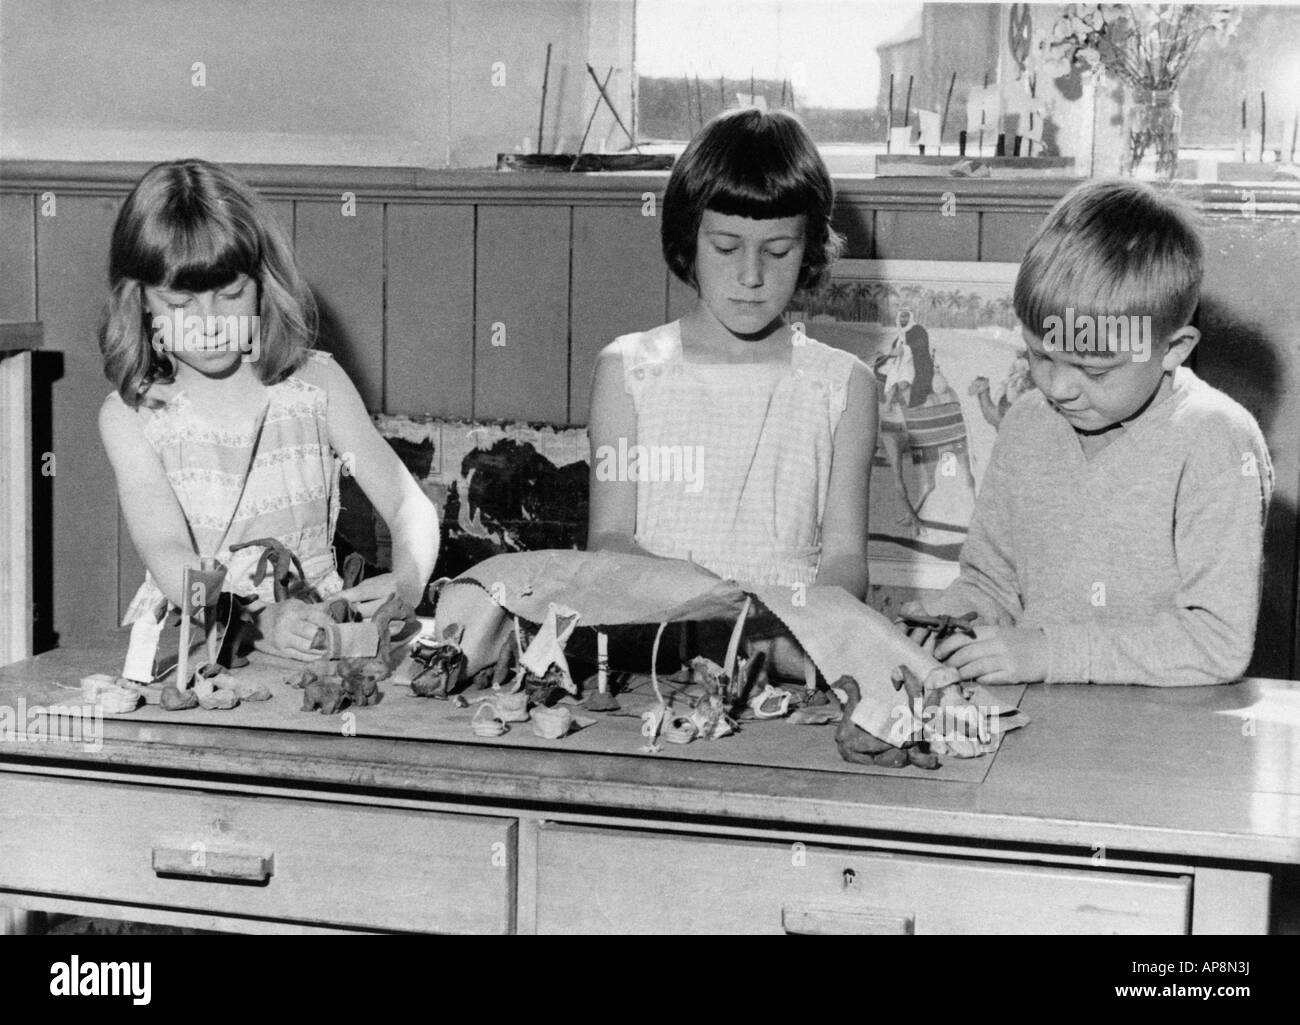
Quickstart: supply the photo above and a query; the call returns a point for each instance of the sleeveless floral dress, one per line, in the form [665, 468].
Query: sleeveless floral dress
[279, 480]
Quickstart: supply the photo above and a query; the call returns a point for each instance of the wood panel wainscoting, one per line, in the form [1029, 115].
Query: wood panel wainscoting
[474, 294]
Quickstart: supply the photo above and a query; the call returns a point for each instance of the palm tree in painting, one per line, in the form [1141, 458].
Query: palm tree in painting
[835, 299]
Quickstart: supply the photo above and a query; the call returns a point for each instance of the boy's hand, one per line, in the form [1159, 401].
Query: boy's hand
[918, 635]
[288, 627]
[997, 654]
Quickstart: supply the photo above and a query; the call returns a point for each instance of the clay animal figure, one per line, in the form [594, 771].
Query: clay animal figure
[710, 713]
[943, 626]
[444, 664]
[360, 680]
[288, 578]
[547, 689]
[860, 747]
[328, 697]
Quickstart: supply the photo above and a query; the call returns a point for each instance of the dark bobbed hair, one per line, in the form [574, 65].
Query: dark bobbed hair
[192, 226]
[751, 163]
[1113, 247]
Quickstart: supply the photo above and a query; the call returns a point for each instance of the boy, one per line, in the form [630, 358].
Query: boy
[1118, 532]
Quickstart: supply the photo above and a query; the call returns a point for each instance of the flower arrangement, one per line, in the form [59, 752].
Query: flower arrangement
[1145, 45]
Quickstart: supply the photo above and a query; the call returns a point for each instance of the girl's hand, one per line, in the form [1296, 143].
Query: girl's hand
[287, 628]
[372, 592]
[997, 654]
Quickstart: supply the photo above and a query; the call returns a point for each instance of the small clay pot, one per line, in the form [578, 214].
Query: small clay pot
[551, 723]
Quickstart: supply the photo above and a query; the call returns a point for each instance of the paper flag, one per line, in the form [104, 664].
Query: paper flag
[929, 120]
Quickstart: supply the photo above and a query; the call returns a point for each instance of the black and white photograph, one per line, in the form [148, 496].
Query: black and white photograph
[672, 467]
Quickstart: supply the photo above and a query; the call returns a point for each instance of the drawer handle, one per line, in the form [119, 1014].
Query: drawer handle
[198, 863]
[798, 921]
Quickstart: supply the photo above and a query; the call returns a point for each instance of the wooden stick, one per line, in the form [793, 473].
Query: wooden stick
[699, 102]
[783, 81]
[209, 564]
[1295, 128]
[1263, 125]
[602, 661]
[183, 655]
[983, 109]
[722, 91]
[596, 107]
[612, 109]
[889, 124]
[792, 103]
[687, 80]
[907, 104]
[943, 121]
[751, 88]
[541, 114]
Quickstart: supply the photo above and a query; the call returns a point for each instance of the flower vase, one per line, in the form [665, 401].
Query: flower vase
[1152, 122]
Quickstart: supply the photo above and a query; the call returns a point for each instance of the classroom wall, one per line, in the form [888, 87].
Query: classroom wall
[425, 83]
[418, 280]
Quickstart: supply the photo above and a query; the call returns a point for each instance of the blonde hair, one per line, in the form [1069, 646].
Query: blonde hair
[1113, 248]
[193, 226]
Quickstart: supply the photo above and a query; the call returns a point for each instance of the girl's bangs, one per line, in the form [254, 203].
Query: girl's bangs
[757, 197]
[198, 256]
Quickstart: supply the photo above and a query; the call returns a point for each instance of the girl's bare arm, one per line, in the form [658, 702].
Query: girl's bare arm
[154, 517]
[844, 523]
[411, 518]
[611, 515]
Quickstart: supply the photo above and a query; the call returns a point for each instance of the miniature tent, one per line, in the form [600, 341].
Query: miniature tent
[840, 634]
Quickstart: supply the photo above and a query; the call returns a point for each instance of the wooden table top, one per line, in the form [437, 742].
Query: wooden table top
[1205, 772]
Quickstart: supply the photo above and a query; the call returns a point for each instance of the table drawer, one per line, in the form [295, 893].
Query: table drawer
[268, 857]
[603, 881]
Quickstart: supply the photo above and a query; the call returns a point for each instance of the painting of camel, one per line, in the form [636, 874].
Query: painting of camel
[944, 346]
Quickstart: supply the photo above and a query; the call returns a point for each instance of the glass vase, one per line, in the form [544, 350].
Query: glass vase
[1152, 122]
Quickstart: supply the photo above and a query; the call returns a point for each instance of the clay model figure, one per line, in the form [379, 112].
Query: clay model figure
[943, 626]
[710, 714]
[860, 747]
[328, 697]
[288, 578]
[360, 680]
[444, 664]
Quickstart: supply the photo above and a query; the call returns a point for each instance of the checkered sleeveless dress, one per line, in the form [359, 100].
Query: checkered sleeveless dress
[763, 435]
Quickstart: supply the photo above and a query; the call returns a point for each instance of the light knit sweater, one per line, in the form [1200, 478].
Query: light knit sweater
[1142, 564]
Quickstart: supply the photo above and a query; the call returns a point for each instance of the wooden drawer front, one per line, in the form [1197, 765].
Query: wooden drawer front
[603, 881]
[342, 864]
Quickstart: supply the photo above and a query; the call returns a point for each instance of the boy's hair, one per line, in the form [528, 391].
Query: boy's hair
[1113, 248]
[193, 226]
[748, 163]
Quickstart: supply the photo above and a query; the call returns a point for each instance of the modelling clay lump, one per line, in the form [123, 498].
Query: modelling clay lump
[219, 698]
[174, 700]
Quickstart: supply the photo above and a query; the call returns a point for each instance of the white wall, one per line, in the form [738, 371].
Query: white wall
[391, 82]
